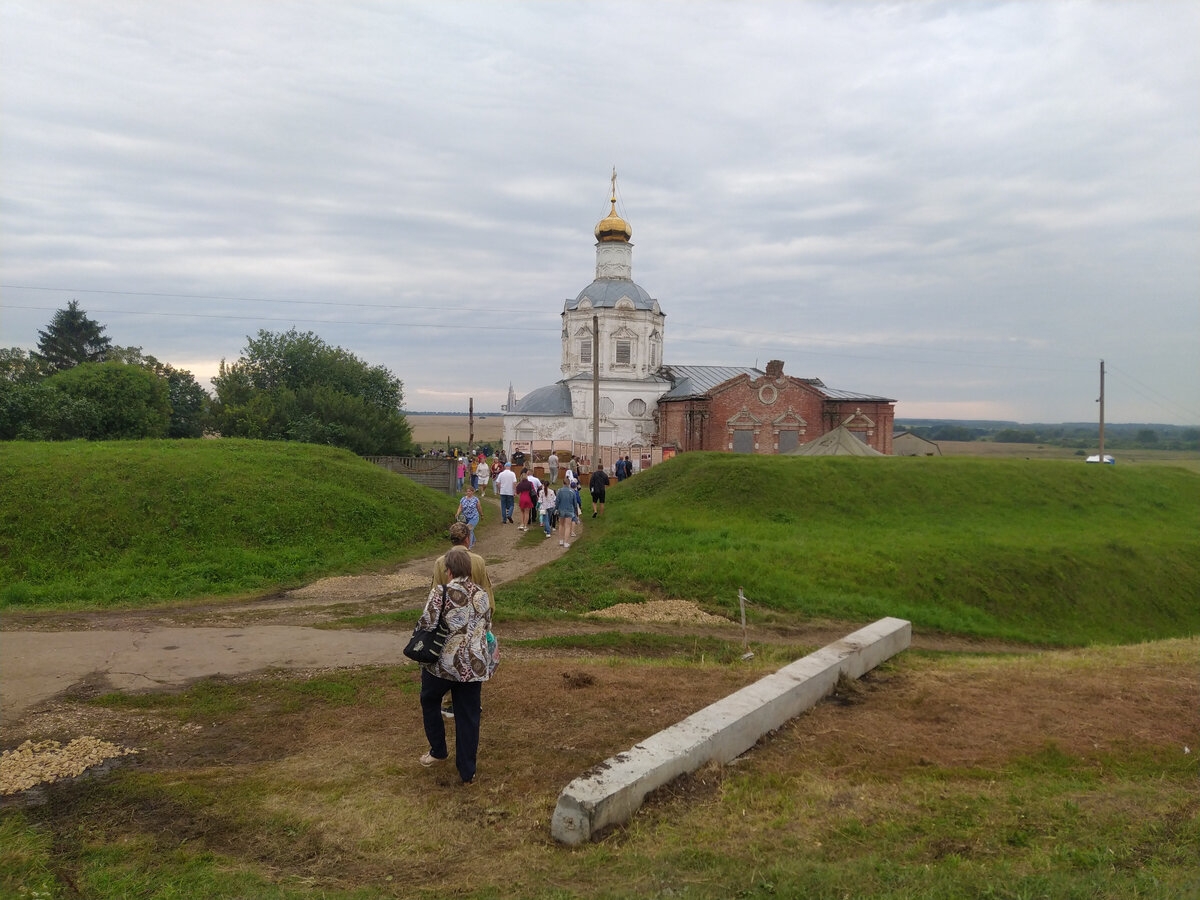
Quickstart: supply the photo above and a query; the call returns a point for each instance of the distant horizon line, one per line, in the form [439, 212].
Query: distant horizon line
[907, 421]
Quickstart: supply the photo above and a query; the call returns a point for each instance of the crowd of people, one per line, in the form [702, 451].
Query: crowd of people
[461, 594]
[526, 500]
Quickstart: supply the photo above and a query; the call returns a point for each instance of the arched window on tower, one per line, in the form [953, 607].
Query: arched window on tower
[655, 350]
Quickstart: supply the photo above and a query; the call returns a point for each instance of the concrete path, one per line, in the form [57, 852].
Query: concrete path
[37, 665]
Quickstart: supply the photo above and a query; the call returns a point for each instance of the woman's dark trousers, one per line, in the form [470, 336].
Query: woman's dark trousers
[467, 699]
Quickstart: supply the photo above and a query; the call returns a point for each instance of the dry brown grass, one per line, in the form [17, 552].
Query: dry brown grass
[434, 431]
[348, 803]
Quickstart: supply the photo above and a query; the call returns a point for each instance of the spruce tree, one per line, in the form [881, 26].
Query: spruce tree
[72, 338]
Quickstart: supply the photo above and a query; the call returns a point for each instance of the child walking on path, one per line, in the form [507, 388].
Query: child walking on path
[546, 500]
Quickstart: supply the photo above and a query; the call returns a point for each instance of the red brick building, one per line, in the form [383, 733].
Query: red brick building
[767, 413]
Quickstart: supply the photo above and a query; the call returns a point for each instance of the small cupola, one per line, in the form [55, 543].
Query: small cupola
[612, 227]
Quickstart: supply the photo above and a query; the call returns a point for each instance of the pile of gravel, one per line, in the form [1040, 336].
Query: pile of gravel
[682, 612]
[43, 762]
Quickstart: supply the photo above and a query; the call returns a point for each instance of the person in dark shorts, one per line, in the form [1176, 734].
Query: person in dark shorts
[597, 485]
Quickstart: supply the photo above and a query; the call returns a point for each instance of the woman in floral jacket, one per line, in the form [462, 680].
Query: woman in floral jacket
[466, 662]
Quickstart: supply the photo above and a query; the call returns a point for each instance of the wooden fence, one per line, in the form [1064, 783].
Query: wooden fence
[434, 472]
[580, 452]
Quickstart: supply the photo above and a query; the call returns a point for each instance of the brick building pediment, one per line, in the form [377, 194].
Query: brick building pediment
[789, 419]
[743, 417]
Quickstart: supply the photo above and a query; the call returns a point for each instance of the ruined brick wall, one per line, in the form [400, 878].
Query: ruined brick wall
[774, 408]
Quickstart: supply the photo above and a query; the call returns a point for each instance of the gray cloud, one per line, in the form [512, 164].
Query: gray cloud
[963, 206]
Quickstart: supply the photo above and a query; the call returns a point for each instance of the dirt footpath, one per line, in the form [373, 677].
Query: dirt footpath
[42, 656]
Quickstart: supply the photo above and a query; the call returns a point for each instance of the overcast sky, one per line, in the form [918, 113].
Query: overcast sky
[964, 206]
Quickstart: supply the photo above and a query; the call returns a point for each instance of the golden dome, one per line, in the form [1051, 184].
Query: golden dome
[612, 227]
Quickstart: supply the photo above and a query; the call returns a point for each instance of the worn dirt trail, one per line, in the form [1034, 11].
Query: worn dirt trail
[45, 655]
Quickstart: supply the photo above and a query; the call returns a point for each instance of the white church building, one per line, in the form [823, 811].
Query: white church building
[632, 377]
[645, 403]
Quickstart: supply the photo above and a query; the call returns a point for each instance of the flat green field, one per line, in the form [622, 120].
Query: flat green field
[1188, 459]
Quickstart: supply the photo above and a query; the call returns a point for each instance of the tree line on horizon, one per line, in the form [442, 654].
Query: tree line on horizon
[1074, 436]
[293, 386]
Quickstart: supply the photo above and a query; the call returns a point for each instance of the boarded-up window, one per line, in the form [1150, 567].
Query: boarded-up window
[624, 352]
[788, 440]
[743, 440]
[585, 350]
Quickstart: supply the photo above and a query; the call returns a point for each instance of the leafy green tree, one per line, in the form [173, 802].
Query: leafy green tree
[19, 365]
[1016, 436]
[39, 411]
[1147, 437]
[133, 401]
[72, 338]
[190, 403]
[294, 386]
[954, 433]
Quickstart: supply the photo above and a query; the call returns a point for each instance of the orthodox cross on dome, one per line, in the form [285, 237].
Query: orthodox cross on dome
[613, 227]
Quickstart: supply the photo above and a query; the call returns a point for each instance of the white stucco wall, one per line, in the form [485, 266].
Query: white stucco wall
[620, 425]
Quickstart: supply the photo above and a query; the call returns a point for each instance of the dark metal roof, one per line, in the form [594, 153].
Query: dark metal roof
[836, 394]
[604, 293]
[551, 400]
[695, 381]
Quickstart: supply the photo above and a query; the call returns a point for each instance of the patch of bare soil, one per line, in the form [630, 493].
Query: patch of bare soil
[966, 712]
[548, 720]
[678, 612]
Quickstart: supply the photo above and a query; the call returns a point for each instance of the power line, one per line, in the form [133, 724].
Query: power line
[907, 360]
[1162, 401]
[528, 329]
[31, 287]
[460, 309]
[194, 315]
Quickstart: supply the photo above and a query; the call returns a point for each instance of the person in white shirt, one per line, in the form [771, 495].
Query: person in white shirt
[553, 463]
[506, 483]
[546, 501]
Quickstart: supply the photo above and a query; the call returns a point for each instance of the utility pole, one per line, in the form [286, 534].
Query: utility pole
[1101, 402]
[595, 391]
[470, 423]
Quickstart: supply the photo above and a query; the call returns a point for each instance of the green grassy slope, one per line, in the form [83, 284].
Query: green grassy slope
[135, 522]
[1041, 551]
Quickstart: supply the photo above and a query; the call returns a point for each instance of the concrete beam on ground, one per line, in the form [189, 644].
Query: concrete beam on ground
[611, 792]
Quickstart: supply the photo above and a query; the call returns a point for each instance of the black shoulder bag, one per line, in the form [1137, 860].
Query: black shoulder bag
[425, 646]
